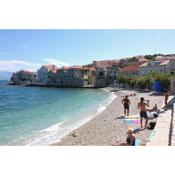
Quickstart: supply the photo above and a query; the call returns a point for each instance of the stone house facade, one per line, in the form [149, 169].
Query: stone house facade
[45, 73]
[70, 76]
[158, 66]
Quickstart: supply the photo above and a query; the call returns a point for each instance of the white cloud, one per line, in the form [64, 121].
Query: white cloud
[15, 65]
[56, 62]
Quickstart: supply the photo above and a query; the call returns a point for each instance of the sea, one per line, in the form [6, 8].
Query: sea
[43, 115]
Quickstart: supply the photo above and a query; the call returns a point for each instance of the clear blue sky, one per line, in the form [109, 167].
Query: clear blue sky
[28, 49]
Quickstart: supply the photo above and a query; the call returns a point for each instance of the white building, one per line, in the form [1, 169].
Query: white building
[165, 66]
[44, 73]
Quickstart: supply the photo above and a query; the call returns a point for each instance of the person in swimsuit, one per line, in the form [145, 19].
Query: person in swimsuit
[126, 103]
[142, 106]
[130, 140]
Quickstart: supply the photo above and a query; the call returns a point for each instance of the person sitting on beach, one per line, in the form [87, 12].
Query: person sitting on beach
[166, 96]
[126, 103]
[130, 140]
[142, 106]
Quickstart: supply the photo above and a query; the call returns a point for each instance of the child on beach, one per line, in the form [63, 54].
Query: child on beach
[142, 106]
[130, 140]
[126, 103]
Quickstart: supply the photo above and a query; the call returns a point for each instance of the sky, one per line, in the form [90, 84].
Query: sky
[29, 49]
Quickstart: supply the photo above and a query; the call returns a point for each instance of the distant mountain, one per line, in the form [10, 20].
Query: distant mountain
[5, 75]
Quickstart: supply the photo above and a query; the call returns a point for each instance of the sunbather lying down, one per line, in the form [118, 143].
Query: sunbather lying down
[153, 113]
[129, 95]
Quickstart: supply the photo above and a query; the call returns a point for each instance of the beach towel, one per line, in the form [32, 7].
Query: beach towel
[132, 117]
[138, 142]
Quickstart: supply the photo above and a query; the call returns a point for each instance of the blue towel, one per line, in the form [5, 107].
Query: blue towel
[137, 142]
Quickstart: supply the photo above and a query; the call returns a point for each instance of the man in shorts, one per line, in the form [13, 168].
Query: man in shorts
[126, 103]
[142, 106]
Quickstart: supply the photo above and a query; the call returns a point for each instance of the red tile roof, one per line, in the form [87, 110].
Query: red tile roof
[89, 68]
[130, 68]
[76, 67]
[143, 59]
[24, 72]
[50, 67]
[70, 67]
[105, 63]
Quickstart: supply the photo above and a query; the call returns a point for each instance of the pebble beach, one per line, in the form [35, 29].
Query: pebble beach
[108, 127]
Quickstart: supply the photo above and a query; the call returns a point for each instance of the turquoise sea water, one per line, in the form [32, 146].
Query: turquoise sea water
[40, 116]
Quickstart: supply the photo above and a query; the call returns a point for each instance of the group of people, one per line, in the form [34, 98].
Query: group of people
[143, 107]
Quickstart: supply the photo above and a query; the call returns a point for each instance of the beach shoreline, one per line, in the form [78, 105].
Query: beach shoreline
[105, 128]
[56, 132]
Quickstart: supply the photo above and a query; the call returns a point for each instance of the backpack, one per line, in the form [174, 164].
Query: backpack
[151, 125]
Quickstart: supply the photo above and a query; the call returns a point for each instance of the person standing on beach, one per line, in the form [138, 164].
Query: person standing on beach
[166, 96]
[142, 106]
[126, 103]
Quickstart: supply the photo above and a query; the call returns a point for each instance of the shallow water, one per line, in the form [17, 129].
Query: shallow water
[39, 115]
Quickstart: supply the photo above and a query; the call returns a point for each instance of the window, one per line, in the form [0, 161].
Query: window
[101, 74]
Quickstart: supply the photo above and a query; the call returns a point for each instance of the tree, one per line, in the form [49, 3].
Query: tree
[146, 82]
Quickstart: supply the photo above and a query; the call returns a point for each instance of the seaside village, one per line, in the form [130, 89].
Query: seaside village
[148, 73]
[97, 74]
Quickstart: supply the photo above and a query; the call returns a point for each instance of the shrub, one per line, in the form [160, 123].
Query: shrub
[145, 81]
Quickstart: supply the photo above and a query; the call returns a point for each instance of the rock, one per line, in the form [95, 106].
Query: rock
[74, 134]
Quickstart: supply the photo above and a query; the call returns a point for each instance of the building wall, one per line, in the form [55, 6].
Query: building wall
[100, 78]
[69, 78]
[128, 73]
[22, 77]
[51, 79]
[89, 77]
[149, 69]
[43, 75]
[157, 68]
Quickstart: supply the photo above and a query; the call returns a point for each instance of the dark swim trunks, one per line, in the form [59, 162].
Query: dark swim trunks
[126, 106]
[143, 114]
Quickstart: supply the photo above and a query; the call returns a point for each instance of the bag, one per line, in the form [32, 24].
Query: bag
[151, 125]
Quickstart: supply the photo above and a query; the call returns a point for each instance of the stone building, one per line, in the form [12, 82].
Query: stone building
[23, 77]
[46, 73]
[158, 66]
[70, 76]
